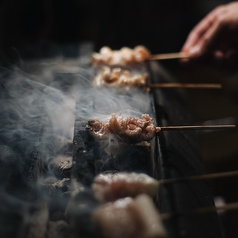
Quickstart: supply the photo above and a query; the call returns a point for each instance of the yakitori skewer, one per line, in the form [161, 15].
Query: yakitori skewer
[127, 56]
[135, 130]
[117, 77]
[112, 186]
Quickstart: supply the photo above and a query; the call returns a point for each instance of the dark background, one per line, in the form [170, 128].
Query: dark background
[161, 25]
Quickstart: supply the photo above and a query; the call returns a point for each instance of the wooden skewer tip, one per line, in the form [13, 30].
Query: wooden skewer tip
[200, 177]
[177, 55]
[200, 211]
[185, 85]
[203, 127]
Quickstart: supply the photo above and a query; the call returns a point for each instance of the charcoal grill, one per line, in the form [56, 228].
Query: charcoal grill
[170, 154]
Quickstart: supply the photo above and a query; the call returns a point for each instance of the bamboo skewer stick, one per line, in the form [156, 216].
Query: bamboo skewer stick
[203, 127]
[185, 85]
[200, 211]
[177, 55]
[200, 177]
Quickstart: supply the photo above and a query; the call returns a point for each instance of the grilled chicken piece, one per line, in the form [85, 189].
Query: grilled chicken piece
[110, 187]
[124, 56]
[117, 77]
[126, 129]
[130, 218]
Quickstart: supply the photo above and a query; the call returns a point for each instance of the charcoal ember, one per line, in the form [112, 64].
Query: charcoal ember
[38, 221]
[58, 229]
[61, 164]
[79, 213]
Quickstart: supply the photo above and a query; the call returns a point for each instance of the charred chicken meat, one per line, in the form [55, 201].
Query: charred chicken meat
[125, 129]
[119, 78]
[124, 56]
[110, 187]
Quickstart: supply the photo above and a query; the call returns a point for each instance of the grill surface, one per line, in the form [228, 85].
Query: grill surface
[171, 154]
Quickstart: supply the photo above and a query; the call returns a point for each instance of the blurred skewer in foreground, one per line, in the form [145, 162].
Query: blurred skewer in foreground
[125, 194]
[112, 186]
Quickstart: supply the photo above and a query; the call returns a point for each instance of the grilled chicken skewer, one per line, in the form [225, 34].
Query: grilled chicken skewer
[127, 196]
[135, 130]
[127, 56]
[120, 192]
[117, 77]
[112, 186]
[124, 56]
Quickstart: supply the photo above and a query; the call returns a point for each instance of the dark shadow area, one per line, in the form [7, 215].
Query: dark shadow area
[161, 25]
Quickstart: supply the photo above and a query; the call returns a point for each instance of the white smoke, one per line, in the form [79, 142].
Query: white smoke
[38, 108]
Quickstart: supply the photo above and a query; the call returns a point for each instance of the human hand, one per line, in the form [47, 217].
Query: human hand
[215, 35]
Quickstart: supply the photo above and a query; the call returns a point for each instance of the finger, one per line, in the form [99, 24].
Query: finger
[207, 41]
[198, 32]
[201, 28]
